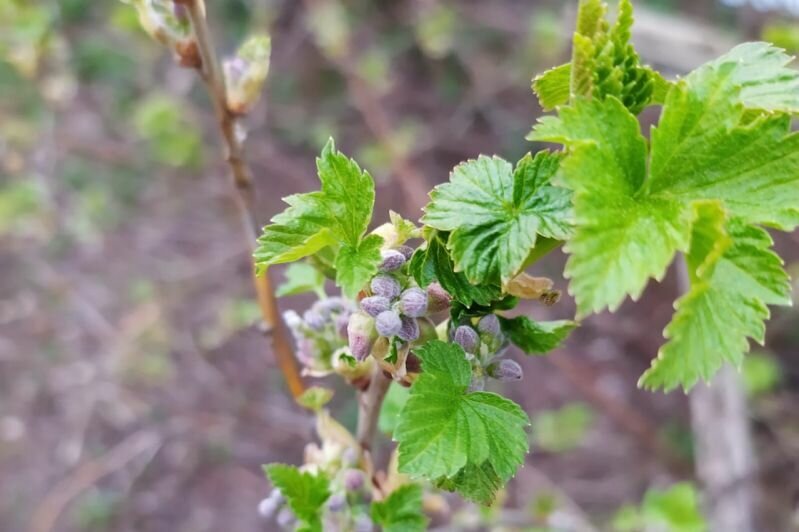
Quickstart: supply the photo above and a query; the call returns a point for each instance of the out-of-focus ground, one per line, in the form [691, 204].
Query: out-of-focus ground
[136, 393]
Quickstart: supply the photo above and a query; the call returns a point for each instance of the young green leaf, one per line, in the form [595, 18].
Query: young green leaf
[552, 87]
[301, 278]
[337, 215]
[478, 483]
[401, 511]
[444, 428]
[536, 337]
[734, 276]
[495, 213]
[305, 493]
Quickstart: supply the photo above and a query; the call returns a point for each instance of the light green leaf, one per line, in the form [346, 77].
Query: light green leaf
[445, 428]
[305, 493]
[315, 397]
[552, 87]
[494, 213]
[536, 337]
[302, 278]
[401, 511]
[356, 265]
[476, 483]
[732, 282]
[393, 404]
[561, 430]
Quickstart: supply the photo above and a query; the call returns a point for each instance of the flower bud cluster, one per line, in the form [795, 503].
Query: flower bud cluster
[320, 333]
[484, 343]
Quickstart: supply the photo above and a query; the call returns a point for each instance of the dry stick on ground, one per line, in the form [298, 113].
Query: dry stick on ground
[211, 73]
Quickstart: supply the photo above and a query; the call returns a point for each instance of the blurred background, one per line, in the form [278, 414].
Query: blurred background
[136, 392]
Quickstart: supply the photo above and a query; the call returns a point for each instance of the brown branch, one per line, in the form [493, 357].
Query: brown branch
[211, 72]
[369, 403]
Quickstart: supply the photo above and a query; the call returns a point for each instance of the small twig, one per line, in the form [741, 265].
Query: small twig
[369, 403]
[211, 72]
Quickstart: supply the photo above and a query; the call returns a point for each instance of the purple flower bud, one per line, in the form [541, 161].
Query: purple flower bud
[337, 502]
[388, 323]
[489, 324]
[467, 338]
[478, 384]
[505, 370]
[270, 505]
[181, 13]
[328, 306]
[305, 352]
[413, 302]
[313, 320]
[374, 305]
[361, 334]
[409, 330]
[353, 480]
[437, 298]
[386, 286]
[392, 260]
[342, 322]
[285, 518]
[407, 251]
[363, 523]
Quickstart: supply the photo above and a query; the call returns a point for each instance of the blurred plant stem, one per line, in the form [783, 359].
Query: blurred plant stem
[369, 403]
[211, 72]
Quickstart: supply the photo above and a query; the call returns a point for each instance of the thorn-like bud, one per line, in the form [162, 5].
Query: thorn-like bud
[337, 502]
[386, 286]
[246, 72]
[505, 370]
[407, 251]
[437, 298]
[361, 334]
[374, 305]
[413, 302]
[388, 323]
[392, 260]
[353, 480]
[409, 330]
[467, 338]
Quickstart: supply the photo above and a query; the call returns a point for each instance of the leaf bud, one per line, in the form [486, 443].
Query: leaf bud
[505, 370]
[388, 323]
[467, 338]
[407, 251]
[353, 480]
[374, 305]
[409, 330]
[246, 72]
[386, 286]
[413, 302]
[361, 334]
[437, 298]
[392, 260]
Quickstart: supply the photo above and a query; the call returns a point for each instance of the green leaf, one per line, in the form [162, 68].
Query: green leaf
[478, 483]
[562, 430]
[714, 145]
[401, 511]
[305, 493]
[534, 336]
[356, 265]
[315, 397]
[300, 279]
[494, 213]
[552, 87]
[676, 509]
[433, 262]
[337, 215]
[731, 285]
[393, 404]
[444, 428]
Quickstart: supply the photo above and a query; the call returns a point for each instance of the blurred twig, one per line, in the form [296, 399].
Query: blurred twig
[211, 73]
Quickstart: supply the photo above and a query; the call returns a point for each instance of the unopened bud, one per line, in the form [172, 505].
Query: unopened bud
[413, 302]
[427, 331]
[163, 21]
[363, 523]
[270, 505]
[388, 323]
[490, 332]
[361, 334]
[478, 384]
[409, 330]
[313, 320]
[342, 322]
[285, 518]
[437, 298]
[392, 260]
[467, 338]
[337, 502]
[407, 251]
[505, 370]
[386, 286]
[353, 480]
[374, 305]
[246, 72]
